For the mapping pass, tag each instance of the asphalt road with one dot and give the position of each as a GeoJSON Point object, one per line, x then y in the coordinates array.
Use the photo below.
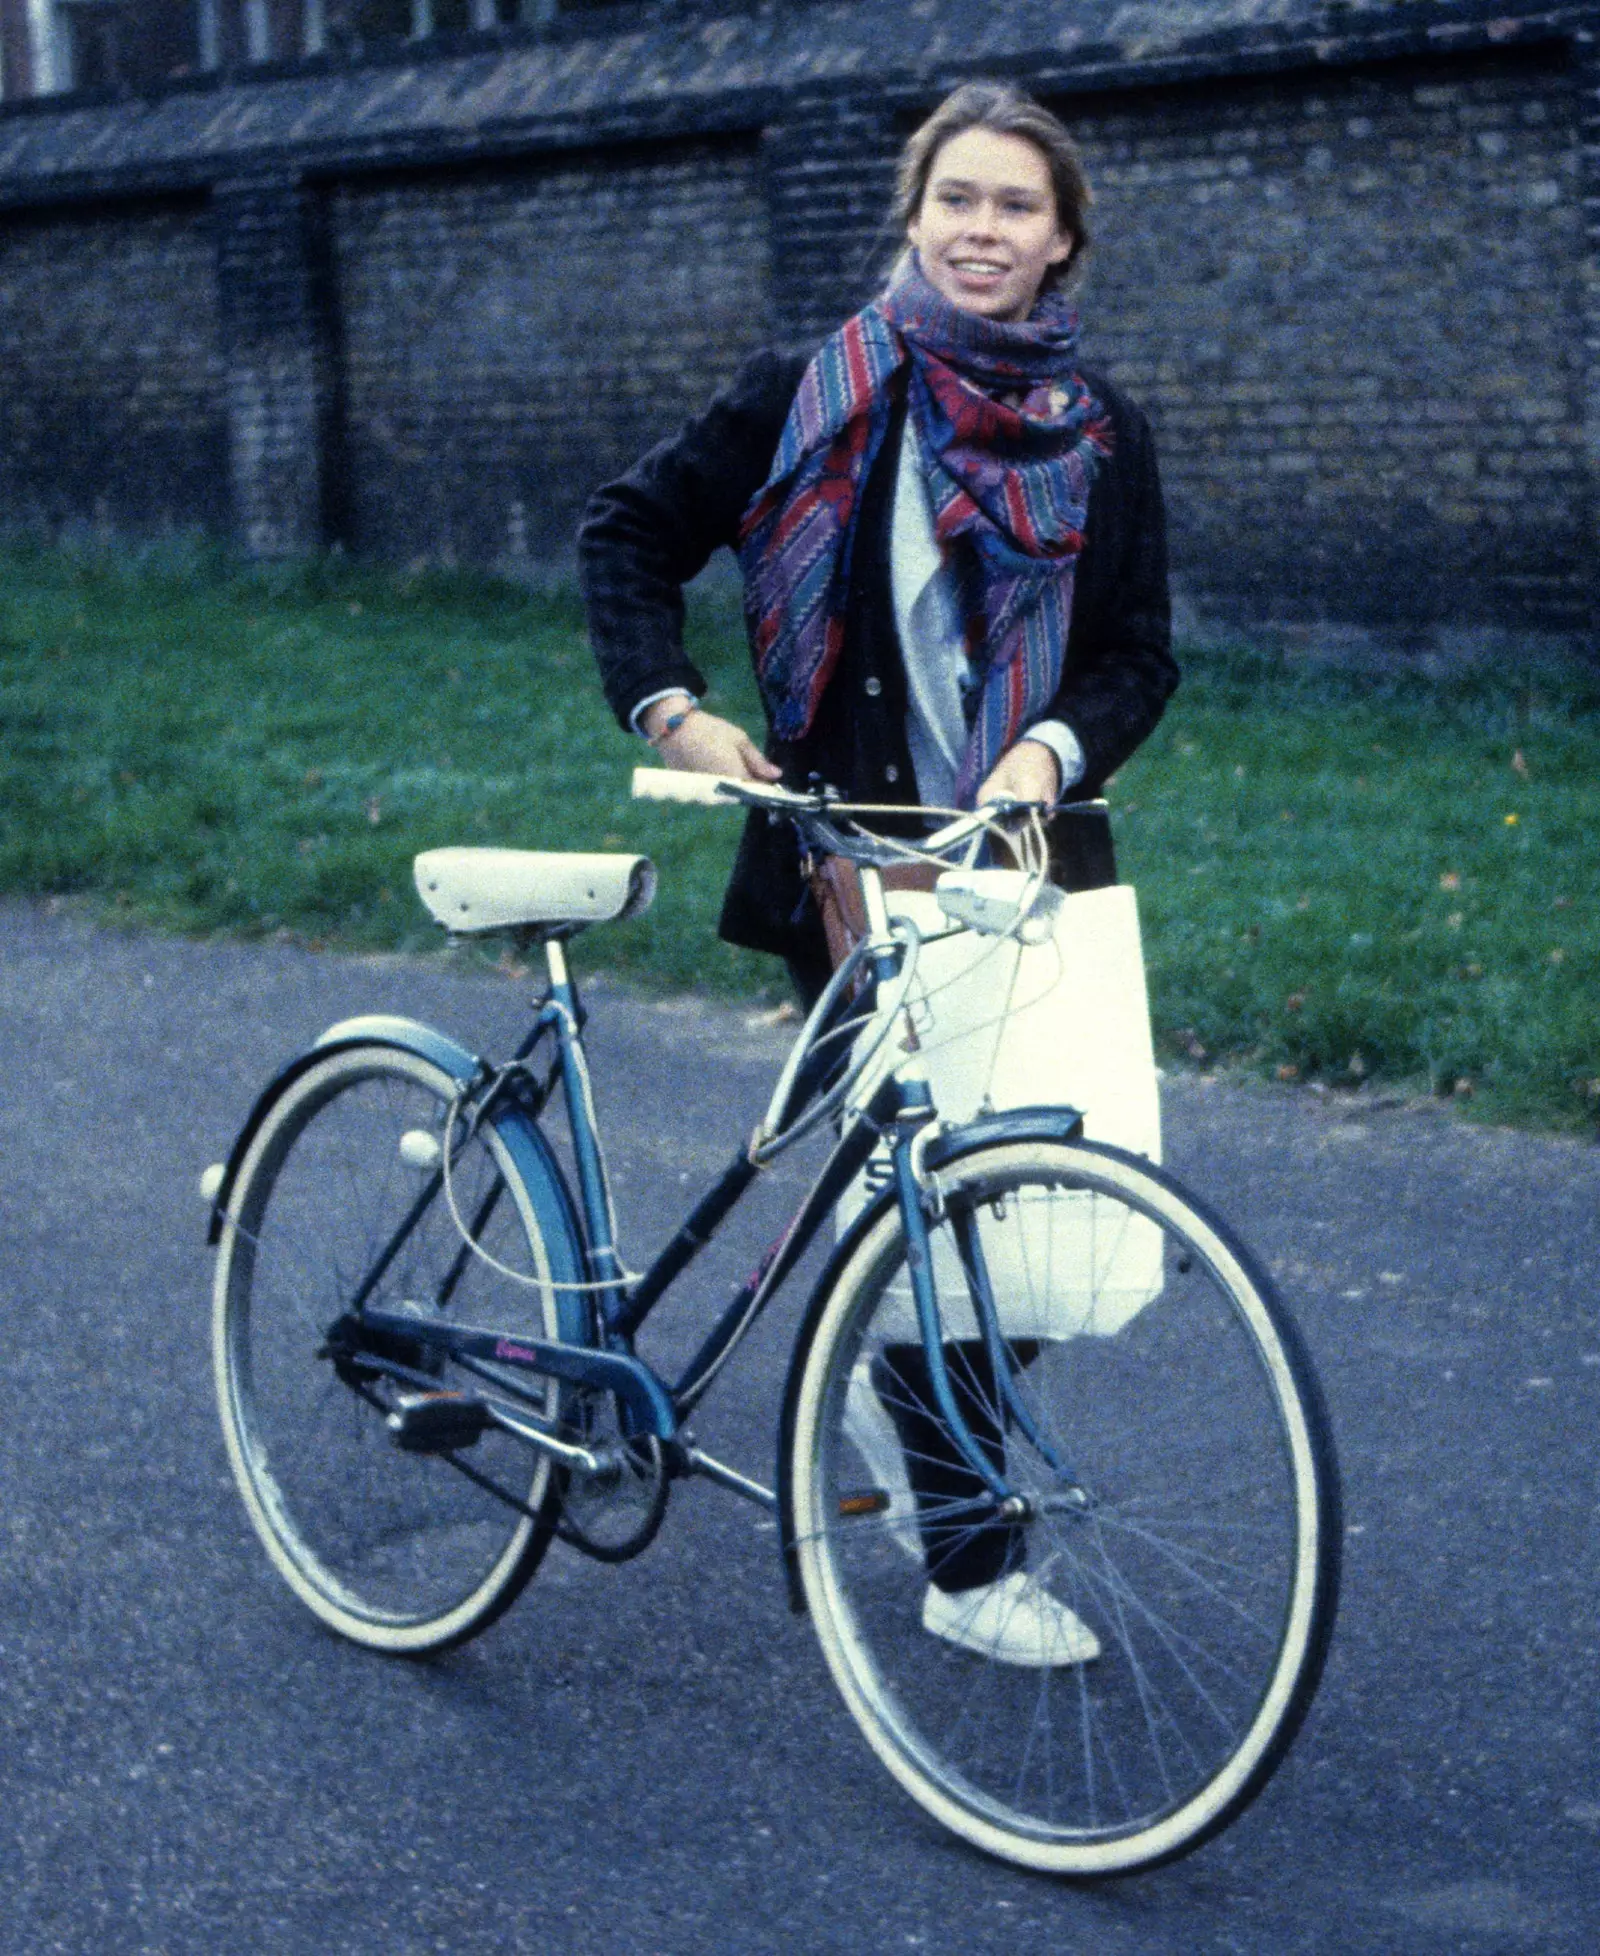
{"type": "Point", "coordinates": [650, 1759]}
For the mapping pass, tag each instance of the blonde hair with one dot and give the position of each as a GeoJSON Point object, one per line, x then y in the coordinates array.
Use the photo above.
{"type": "Point", "coordinates": [1008, 112]}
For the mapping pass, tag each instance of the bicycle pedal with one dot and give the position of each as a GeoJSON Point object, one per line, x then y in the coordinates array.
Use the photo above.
{"type": "Point", "coordinates": [437, 1422]}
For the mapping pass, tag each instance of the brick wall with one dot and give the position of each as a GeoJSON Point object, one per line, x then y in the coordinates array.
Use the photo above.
{"type": "Point", "coordinates": [1353, 309]}
{"type": "Point", "coordinates": [111, 404]}
{"type": "Point", "coordinates": [1349, 260]}
{"type": "Point", "coordinates": [830, 181]}
{"type": "Point", "coordinates": [510, 337]}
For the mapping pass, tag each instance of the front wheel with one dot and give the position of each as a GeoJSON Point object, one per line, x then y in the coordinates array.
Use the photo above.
{"type": "Point", "coordinates": [339, 1203]}
{"type": "Point", "coordinates": [1107, 1682]}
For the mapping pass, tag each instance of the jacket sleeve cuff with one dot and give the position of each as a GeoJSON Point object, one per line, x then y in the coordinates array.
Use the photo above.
{"type": "Point", "coordinates": [636, 716]}
{"type": "Point", "coordinates": [1065, 745]}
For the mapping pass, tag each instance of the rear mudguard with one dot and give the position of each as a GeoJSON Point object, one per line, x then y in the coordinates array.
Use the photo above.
{"type": "Point", "coordinates": [1016, 1124]}
{"type": "Point", "coordinates": [525, 1144]}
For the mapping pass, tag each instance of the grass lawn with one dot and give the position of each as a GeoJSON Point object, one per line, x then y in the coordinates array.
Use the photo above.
{"type": "Point", "coordinates": [1345, 879]}
{"type": "Point", "coordinates": [1341, 879]}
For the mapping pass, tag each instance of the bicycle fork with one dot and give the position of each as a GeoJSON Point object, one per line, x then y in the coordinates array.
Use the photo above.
{"type": "Point", "coordinates": [917, 1198]}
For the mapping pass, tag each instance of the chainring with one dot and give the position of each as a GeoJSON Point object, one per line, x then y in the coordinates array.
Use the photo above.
{"type": "Point", "coordinates": [615, 1514]}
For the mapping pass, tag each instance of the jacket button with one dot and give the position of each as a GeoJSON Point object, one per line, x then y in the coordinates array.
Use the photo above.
{"type": "Point", "coordinates": [891, 773]}
{"type": "Point", "coordinates": [873, 687]}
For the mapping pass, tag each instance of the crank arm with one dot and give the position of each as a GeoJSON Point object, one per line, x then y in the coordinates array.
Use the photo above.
{"type": "Point", "coordinates": [523, 1428]}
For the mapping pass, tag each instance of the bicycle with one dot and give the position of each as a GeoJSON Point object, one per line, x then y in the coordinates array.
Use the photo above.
{"type": "Point", "coordinates": [1075, 1582]}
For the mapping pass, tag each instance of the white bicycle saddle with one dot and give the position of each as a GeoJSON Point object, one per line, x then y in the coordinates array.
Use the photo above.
{"type": "Point", "coordinates": [474, 890]}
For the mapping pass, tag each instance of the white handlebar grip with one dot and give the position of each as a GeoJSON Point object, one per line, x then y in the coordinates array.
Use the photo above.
{"type": "Point", "coordinates": [674, 784]}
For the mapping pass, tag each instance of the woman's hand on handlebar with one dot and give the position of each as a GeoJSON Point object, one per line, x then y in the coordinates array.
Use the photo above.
{"type": "Point", "coordinates": [1027, 772]}
{"type": "Point", "coordinates": [702, 743]}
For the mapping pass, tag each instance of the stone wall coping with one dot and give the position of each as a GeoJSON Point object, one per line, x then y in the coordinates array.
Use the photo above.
{"type": "Point", "coordinates": [658, 72]}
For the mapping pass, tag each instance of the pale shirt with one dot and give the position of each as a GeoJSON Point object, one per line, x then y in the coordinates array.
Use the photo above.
{"type": "Point", "coordinates": [933, 646]}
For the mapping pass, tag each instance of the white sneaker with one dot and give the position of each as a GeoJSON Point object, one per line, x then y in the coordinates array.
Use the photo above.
{"type": "Point", "coordinates": [1015, 1621]}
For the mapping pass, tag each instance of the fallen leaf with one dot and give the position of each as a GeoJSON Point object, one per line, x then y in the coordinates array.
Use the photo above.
{"type": "Point", "coordinates": [780, 1015]}
{"type": "Point", "coordinates": [1295, 1002]}
{"type": "Point", "coordinates": [1450, 880]}
{"type": "Point", "coordinates": [1287, 1072]}
{"type": "Point", "coordinates": [1512, 820]}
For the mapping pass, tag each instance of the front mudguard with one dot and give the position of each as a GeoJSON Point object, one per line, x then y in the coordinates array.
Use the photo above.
{"type": "Point", "coordinates": [529, 1151]}
{"type": "Point", "coordinates": [1016, 1124]}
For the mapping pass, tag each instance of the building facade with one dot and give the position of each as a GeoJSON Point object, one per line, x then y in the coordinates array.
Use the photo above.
{"type": "Point", "coordinates": [410, 277]}
{"type": "Point", "coordinates": [57, 47]}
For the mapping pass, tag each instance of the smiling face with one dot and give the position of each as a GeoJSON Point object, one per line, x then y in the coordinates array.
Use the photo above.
{"type": "Point", "coordinates": [987, 230]}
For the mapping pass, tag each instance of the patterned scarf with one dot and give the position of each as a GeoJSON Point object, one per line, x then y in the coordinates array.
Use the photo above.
{"type": "Point", "coordinates": [1013, 438]}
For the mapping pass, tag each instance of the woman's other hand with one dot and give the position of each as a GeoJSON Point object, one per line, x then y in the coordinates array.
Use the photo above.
{"type": "Point", "coordinates": [1027, 772]}
{"type": "Point", "coordinates": [701, 743]}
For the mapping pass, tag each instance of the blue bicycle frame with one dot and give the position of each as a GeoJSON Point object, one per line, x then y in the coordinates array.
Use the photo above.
{"type": "Point", "coordinates": [900, 1111]}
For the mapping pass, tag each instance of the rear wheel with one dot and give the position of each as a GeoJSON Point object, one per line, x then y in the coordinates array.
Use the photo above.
{"type": "Point", "coordinates": [403, 1551]}
{"type": "Point", "coordinates": [1103, 1685]}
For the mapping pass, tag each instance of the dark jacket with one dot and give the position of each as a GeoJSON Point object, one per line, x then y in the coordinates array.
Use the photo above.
{"type": "Point", "coordinates": [647, 534]}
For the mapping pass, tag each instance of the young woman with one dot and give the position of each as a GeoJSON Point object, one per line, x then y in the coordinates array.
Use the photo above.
{"type": "Point", "coordinates": [951, 533]}
{"type": "Point", "coordinates": [954, 559]}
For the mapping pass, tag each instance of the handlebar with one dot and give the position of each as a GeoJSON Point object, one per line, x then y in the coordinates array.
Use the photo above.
{"type": "Point", "coordinates": [819, 815]}
{"type": "Point", "coordinates": [705, 790]}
